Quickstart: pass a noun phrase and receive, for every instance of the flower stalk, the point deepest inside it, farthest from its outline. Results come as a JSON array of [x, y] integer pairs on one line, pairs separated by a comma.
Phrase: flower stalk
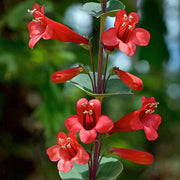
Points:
[[100, 57], [91, 125]]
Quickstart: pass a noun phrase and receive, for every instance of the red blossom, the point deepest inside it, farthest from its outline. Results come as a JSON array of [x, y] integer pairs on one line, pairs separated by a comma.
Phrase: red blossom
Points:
[[67, 152], [143, 118], [89, 120], [130, 80], [65, 75], [124, 35], [43, 27], [135, 156]]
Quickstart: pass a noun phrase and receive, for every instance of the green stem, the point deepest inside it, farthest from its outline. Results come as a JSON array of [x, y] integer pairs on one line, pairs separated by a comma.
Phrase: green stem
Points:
[[93, 69], [107, 57], [106, 83], [96, 157], [93, 86], [100, 58]]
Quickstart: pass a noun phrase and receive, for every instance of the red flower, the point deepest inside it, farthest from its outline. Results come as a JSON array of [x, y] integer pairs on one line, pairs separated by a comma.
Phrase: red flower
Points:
[[130, 80], [143, 118], [135, 156], [124, 35], [43, 27], [65, 75], [89, 120], [67, 151]]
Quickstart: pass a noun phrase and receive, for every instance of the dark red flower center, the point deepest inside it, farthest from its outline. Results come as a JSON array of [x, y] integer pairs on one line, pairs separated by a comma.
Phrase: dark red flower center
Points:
[[149, 109], [69, 145], [125, 27], [89, 117]]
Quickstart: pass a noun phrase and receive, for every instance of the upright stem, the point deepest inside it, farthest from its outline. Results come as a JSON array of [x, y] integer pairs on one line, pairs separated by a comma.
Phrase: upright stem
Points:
[[99, 89], [93, 69], [96, 157], [93, 85], [105, 71], [104, 6], [104, 90], [100, 58]]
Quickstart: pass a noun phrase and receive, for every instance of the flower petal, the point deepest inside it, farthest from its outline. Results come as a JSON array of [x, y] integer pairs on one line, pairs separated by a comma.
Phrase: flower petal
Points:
[[82, 156], [119, 18], [127, 48], [151, 133], [64, 166], [42, 9], [87, 136], [72, 123], [146, 101], [33, 41], [54, 153], [62, 136], [36, 6], [81, 106], [135, 156], [95, 104], [153, 120], [104, 124], [48, 33], [141, 37], [109, 37], [135, 17]]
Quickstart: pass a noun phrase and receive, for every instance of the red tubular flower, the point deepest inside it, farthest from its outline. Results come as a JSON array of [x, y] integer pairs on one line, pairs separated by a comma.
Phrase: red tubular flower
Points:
[[67, 151], [65, 75], [89, 120], [130, 80], [43, 27], [124, 35], [135, 156], [143, 118]]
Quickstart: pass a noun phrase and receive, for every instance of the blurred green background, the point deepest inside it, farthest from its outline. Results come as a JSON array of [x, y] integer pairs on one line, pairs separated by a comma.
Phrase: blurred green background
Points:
[[33, 110]]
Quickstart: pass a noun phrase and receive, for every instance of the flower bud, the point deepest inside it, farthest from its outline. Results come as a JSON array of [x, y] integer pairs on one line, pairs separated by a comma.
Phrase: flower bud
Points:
[[130, 80], [65, 75], [139, 157]]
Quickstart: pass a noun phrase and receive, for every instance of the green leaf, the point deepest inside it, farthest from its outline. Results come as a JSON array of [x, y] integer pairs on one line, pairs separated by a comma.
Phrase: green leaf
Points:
[[109, 169], [94, 9], [77, 172], [113, 6], [114, 86]]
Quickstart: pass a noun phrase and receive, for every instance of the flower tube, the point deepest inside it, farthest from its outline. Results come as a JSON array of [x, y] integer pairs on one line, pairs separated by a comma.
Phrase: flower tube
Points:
[[135, 156], [144, 118], [43, 27]]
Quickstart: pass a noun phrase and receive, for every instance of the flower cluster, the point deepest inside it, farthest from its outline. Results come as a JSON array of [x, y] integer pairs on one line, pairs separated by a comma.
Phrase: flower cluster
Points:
[[89, 123]]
